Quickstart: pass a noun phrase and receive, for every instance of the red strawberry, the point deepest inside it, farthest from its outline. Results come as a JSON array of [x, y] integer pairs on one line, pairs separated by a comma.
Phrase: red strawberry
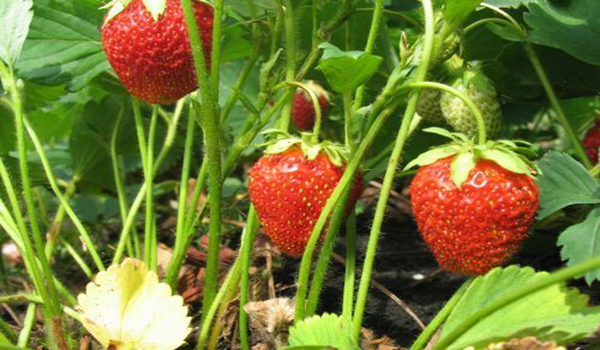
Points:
[[153, 58], [303, 111], [591, 142], [289, 192], [478, 227]]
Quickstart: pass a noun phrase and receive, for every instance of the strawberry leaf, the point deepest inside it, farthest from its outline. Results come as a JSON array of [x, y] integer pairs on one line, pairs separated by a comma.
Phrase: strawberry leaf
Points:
[[457, 11], [461, 167], [347, 70], [564, 182], [556, 313], [15, 17], [63, 45], [581, 242], [327, 330]]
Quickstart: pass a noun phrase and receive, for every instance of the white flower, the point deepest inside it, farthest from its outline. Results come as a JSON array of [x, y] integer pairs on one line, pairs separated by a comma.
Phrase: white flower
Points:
[[126, 307]]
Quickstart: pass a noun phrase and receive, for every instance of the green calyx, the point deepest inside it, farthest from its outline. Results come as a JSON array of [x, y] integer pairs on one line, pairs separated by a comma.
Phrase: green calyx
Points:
[[511, 155], [155, 7], [337, 153]]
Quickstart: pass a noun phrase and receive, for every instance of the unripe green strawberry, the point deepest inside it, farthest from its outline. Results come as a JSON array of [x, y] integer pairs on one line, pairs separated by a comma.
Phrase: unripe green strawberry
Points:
[[479, 89], [149, 48], [289, 192], [429, 107]]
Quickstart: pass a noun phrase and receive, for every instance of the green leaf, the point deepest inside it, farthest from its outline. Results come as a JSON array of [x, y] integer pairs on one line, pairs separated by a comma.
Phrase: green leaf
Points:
[[15, 16], [347, 70], [63, 45], [461, 167], [327, 330], [432, 156], [155, 7], [508, 3], [506, 159], [564, 182], [581, 242], [457, 11], [556, 313], [570, 26]]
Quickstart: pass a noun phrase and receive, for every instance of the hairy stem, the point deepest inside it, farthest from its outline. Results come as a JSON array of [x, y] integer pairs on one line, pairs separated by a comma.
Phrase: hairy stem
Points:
[[390, 174]]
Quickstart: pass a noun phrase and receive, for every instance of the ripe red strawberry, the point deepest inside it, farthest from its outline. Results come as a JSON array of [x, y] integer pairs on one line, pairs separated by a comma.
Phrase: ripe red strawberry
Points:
[[303, 111], [289, 192], [152, 57], [591, 142], [480, 226]]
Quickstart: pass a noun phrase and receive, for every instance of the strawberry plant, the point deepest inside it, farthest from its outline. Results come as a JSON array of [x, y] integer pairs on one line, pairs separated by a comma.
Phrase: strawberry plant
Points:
[[232, 174]]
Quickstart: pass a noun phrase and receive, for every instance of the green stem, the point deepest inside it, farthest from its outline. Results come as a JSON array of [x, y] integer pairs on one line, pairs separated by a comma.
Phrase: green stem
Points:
[[348, 120], [316, 105], [236, 90], [377, 11], [183, 199], [290, 72], [118, 175], [79, 260], [232, 278], [350, 274], [28, 324], [483, 21], [135, 206], [56, 225], [440, 318], [85, 236], [516, 294], [397, 14], [345, 181], [209, 122], [150, 243], [213, 157], [188, 233], [390, 174], [562, 117], [246, 252], [46, 290], [216, 48], [325, 255], [482, 134]]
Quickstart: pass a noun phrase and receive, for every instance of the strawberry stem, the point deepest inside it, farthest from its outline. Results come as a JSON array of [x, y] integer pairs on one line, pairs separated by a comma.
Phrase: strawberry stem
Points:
[[482, 135], [441, 317], [377, 14], [246, 251], [290, 72], [41, 273], [560, 113], [215, 67], [316, 105], [367, 271], [350, 273], [210, 124]]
